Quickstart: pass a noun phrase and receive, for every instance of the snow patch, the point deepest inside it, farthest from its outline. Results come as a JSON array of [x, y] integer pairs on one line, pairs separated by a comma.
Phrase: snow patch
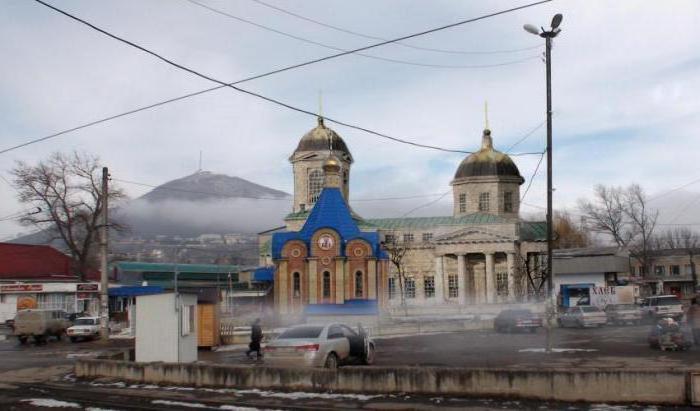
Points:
[[180, 404], [82, 354], [99, 409], [305, 395], [51, 403], [558, 350]]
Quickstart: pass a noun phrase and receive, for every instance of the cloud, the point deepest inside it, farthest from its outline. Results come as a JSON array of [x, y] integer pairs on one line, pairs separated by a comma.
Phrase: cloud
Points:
[[624, 79]]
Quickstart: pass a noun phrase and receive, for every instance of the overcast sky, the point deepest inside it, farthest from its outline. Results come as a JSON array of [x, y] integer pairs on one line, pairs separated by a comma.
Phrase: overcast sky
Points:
[[626, 81]]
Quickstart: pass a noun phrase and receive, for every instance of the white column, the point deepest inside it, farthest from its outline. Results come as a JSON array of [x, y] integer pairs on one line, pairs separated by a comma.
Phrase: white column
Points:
[[510, 260], [439, 281], [461, 271], [490, 289]]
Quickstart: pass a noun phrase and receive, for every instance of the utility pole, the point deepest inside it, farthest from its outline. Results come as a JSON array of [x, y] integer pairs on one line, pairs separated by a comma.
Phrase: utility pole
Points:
[[104, 237], [548, 35]]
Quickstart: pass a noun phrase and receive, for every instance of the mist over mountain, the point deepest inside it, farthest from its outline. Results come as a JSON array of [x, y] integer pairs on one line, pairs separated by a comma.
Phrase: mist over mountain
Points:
[[204, 186], [205, 203]]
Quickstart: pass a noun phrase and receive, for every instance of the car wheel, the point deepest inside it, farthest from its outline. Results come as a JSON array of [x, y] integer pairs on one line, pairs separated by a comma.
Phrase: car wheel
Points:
[[73, 339], [58, 336], [533, 330], [22, 340], [369, 358], [580, 324], [331, 361]]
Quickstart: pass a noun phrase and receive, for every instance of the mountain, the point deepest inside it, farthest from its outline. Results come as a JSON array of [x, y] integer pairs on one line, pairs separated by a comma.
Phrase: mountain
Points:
[[204, 185]]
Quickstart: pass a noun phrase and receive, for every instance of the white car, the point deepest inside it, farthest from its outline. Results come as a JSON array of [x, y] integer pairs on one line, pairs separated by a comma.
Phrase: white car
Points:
[[320, 346], [84, 328], [662, 306]]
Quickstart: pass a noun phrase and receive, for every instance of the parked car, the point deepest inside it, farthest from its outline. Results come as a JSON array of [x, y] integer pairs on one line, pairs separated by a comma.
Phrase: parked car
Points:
[[40, 324], [320, 346], [662, 306], [582, 316], [514, 320], [623, 314], [84, 328]]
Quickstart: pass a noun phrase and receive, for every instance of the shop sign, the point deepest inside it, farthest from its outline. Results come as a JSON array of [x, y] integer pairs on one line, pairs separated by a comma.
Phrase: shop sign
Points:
[[87, 287], [21, 288]]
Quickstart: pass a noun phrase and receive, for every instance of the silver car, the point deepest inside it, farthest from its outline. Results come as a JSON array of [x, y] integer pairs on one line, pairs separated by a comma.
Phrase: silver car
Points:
[[320, 346], [583, 316]]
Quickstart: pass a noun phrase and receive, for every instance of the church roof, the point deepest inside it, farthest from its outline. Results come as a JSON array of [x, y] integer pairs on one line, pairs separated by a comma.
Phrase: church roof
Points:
[[488, 162], [321, 138], [533, 231], [427, 222], [330, 211]]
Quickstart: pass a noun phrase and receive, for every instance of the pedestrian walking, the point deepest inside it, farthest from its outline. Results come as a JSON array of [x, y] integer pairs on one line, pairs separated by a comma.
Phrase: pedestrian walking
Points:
[[694, 319], [256, 335]]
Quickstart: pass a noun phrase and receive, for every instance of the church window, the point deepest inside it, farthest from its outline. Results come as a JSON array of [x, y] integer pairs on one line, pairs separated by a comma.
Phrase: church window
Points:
[[315, 185], [389, 239], [296, 285], [484, 202], [429, 286], [508, 202], [659, 270], [326, 284], [345, 177], [675, 270], [410, 286], [452, 286], [359, 283], [427, 237], [462, 203], [392, 288], [408, 238], [502, 284]]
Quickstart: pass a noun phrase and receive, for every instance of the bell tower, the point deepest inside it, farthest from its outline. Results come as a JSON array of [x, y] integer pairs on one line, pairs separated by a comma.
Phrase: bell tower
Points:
[[307, 165]]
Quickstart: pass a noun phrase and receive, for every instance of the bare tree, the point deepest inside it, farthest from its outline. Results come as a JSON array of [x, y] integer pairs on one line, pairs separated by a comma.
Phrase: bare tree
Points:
[[67, 189], [682, 239], [568, 234], [623, 214], [396, 252], [530, 275]]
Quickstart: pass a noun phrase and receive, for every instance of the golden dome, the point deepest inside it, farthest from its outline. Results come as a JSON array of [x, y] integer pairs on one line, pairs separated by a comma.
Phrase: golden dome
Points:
[[332, 163]]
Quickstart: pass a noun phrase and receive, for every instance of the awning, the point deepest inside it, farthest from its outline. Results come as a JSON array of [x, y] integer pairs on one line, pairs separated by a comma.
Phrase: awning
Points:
[[134, 291], [264, 274]]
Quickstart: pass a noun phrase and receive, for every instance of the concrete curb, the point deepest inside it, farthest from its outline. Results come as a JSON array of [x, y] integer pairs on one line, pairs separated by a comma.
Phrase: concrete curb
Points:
[[644, 386]]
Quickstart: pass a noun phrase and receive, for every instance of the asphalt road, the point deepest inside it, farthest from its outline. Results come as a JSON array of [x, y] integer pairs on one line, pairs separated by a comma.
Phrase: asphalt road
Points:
[[614, 347]]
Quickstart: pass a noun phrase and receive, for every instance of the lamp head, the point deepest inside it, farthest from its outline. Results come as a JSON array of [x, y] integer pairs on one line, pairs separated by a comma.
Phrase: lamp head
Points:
[[532, 29], [556, 20]]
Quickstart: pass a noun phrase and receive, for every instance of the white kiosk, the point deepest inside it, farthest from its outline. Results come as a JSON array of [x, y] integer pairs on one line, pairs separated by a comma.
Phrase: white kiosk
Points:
[[166, 327]]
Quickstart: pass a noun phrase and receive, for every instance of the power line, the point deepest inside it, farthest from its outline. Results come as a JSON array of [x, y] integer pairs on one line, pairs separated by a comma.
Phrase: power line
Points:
[[526, 136], [426, 204], [529, 184], [164, 102], [335, 48], [366, 36], [656, 197]]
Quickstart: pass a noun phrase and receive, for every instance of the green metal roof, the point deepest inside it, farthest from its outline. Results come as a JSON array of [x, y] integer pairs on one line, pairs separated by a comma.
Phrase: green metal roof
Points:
[[413, 223], [182, 268], [299, 215], [533, 231]]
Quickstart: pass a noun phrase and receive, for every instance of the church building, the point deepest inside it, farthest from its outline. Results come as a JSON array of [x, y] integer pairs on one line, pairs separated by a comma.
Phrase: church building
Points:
[[327, 255]]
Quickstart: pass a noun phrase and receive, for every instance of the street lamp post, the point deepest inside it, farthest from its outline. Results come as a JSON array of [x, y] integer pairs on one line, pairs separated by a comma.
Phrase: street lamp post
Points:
[[548, 35]]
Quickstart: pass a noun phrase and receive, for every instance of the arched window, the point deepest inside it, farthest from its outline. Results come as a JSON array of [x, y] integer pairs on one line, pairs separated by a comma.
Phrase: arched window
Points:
[[326, 284], [296, 285], [359, 283], [315, 185]]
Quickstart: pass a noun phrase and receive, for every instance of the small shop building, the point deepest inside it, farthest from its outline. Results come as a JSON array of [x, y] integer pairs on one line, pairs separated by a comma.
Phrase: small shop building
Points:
[[41, 277]]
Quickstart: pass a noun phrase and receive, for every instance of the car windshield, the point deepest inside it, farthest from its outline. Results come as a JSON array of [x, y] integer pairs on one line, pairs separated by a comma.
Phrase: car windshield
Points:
[[85, 321], [668, 301], [522, 313], [302, 332], [590, 309]]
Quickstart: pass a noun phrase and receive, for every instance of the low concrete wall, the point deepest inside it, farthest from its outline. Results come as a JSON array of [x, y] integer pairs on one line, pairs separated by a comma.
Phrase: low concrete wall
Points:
[[604, 385]]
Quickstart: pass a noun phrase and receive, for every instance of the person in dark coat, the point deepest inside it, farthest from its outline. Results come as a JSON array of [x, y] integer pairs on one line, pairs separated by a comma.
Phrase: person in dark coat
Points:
[[256, 335]]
